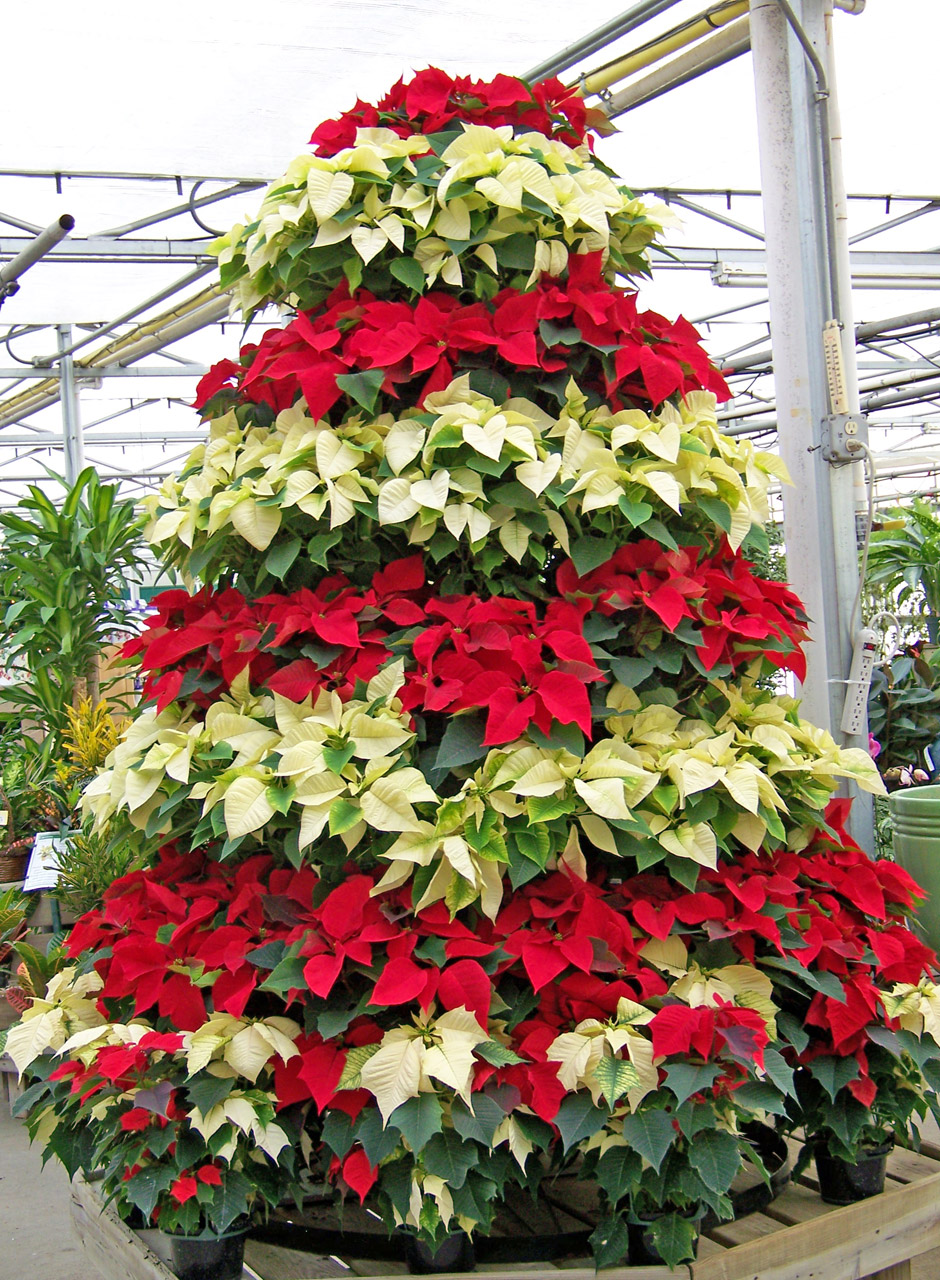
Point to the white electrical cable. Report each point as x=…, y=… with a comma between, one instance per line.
x=861, y=447
x=893, y=622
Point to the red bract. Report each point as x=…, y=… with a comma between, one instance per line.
x=435, y=338
x=359, y=1173
x=497, y=654
x=184, y=1188
x=739, y=615
x=136, y=1119
x=349, y=922
x=710, y=1032
x=434, y=101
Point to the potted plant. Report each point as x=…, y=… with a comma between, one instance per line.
x=677, y=1134
x=851, y=1121
x=180, y=1129
x=904, y=562
x=904, y=716
x=64, y=575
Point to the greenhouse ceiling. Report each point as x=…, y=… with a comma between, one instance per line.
x=152, y=134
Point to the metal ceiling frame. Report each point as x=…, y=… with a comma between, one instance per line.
x=897, y=380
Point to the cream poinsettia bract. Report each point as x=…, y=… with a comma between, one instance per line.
x=408, y=1059
x=248, y=481
x=357, y=201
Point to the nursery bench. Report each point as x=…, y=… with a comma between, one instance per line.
x=797, y=1237
x=9, y=1085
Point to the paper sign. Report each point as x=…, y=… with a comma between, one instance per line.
x=43, y=869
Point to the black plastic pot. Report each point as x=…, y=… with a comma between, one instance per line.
x=641, y=1247
x=209, y=1257
x=455, y=1254
x=844, y=1183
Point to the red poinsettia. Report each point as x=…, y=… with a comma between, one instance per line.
x=709, y=1032
x=430, y=342
x=737, y=615
x=497, y=654
x=433, y=101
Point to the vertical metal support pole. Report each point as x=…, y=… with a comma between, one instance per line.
x=71, y=419
x=819, y=510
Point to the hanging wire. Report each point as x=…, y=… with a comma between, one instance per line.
x=17, y=331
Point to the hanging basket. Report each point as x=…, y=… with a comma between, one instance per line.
x=13, y=858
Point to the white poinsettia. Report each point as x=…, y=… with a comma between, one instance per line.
x=758, y=757
x=430, y=1189
x=433, y=471
x=244, y=1045
x=408, y=1059
x=612, y=1059
x=242, y=1110
x=312, y=755
x=347, y=200
x=85, y=1044
x=466, y=843
x=609, y=781
x=464, y=417
x=154, y=756
x=917, y=1008
x=68, y=1007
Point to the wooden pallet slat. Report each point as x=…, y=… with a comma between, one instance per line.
x=858, y=1240
x=109, y=1244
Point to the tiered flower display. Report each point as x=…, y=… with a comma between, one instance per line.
x=487, y=839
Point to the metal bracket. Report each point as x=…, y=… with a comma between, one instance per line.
x=843, y=435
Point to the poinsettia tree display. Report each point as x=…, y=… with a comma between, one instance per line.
x=462, y=750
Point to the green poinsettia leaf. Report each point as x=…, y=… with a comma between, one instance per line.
x=615, y=1076
x=287, y=975
x=462, y=742
x=481, y=1123
x=833, y=1073
x=206, y=1091
x=684, y=1079
x=578, y=1118
x=281, y=556
x=497, y=1054
x=418, y=1119
x=450, y=1157
x=609, y=1241
x=651, y=1133
x=778, y=1071
x=378, y=1140
x=716, y=1158
x=236, y=1195
x=410, y=273
x=337, y=1132
x=674, y=1237
x=617, y=1172
x=143, y=1189
x=587, y=553
x=363, y=387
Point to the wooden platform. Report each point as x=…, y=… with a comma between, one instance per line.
x=796, y=1238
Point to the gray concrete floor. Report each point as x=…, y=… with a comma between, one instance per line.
x=36, y=1238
